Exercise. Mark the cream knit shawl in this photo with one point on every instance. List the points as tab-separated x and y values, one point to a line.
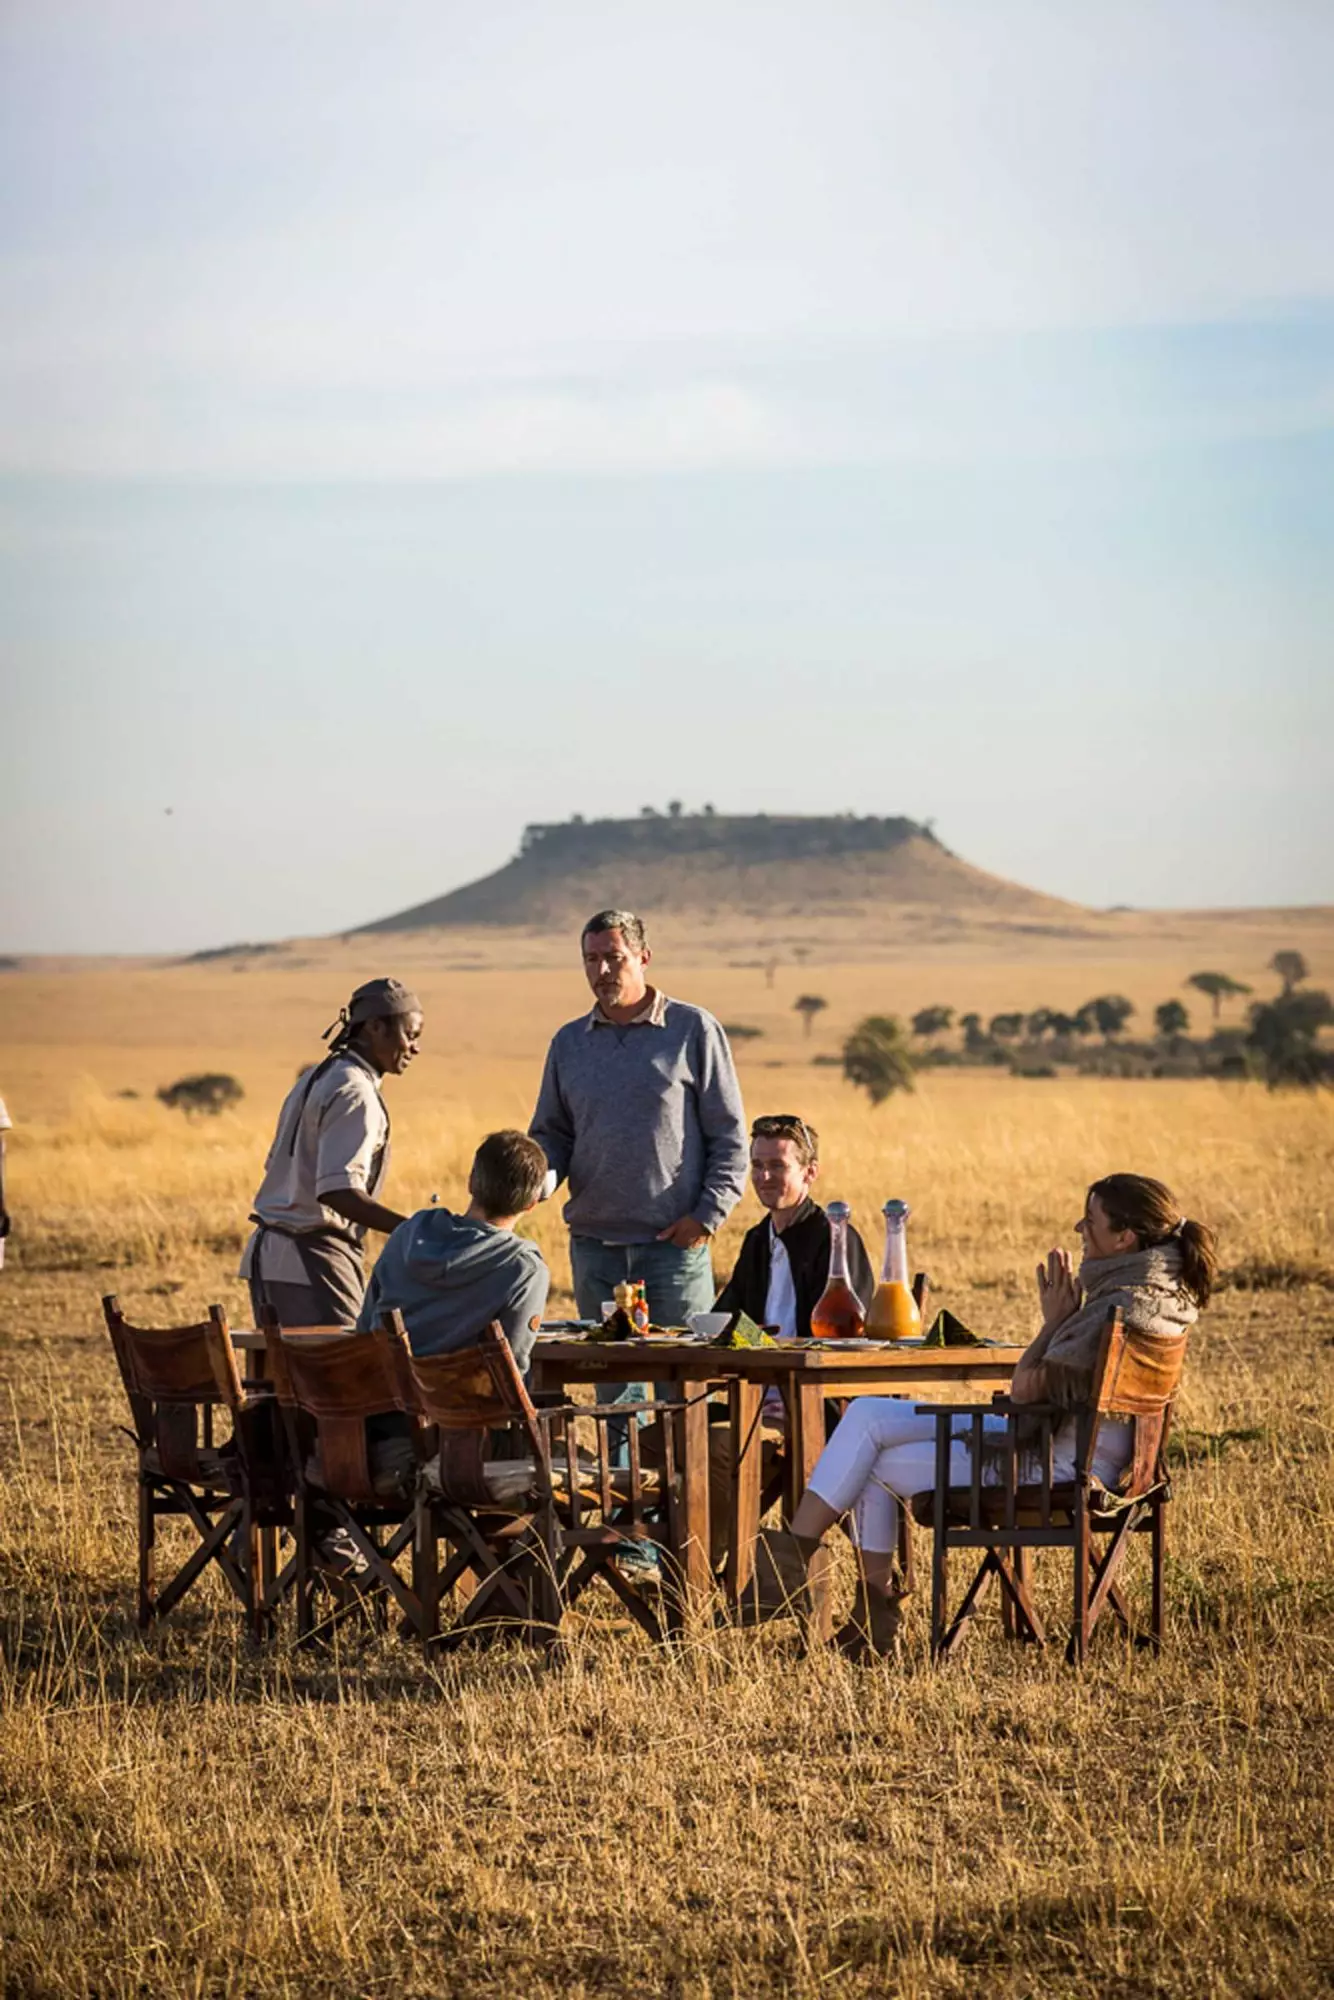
1145	1284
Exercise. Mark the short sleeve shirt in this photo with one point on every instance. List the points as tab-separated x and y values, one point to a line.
333	1132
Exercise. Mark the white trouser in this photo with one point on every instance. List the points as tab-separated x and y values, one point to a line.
883	1452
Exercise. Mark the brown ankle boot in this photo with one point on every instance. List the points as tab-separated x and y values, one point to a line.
781	1564
873	1630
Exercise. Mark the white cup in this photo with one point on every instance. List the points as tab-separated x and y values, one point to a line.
708	1325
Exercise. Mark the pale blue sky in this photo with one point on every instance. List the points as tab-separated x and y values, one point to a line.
417	419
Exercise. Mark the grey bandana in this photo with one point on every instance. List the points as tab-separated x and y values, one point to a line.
375	1001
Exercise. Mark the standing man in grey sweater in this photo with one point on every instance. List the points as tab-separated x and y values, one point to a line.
640	1110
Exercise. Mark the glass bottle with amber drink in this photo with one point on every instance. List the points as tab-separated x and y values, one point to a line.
894	1314
838	1314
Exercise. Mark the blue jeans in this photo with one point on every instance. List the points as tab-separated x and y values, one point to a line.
677	1282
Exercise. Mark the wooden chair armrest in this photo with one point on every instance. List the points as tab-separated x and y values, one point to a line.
951	1409
1004	1406
602	1413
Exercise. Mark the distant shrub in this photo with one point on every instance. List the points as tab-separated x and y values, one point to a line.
1116	1062
932	1020
877	1058
205	1095
739	1031
1033	1069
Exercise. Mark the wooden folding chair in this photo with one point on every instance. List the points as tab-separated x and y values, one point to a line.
329	1381
533	1528
232	1491
1137	1376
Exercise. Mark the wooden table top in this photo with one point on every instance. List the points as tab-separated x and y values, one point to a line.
802	1357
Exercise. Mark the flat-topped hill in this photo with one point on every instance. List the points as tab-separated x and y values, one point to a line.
713	866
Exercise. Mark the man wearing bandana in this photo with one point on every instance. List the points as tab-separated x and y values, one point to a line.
327	1164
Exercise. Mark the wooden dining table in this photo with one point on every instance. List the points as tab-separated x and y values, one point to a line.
807	1374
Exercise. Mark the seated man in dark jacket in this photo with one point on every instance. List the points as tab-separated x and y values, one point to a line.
778	1277
783	1262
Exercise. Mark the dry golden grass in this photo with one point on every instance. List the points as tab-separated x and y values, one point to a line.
178	1817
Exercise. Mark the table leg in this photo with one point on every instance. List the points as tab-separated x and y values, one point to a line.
805	1406
744	1402
268	1562
694	1434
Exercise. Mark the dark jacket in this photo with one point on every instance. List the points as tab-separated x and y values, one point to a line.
806	1240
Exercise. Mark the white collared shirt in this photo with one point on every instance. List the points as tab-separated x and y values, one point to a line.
780	1304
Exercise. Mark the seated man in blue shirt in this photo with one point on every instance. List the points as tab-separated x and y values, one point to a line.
451	1275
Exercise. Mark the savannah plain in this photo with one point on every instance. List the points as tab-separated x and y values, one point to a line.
180	1816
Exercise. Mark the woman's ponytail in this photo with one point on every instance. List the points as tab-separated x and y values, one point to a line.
1199	1260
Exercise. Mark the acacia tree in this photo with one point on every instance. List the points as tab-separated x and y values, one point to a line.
974	1034
932	1020
1108	1014
1006	1027
1291	968
808	1005
877	1057
1219	986
1038	1023
1172	1019
1284	1036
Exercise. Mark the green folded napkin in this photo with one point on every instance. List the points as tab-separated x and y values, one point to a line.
743	1332
947	1331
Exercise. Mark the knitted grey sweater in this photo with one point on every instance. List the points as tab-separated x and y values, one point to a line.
645	1122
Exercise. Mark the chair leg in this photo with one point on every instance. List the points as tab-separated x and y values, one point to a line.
147	1541
305	1573
1016	1580
1157	1553
379	1605
907	1567
967	1611
252	1569
426	1572
547	1606
939	1545
1077	1651
265	1595
1103	1573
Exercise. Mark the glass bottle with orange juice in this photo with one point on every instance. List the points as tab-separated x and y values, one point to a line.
838	1314
893	1313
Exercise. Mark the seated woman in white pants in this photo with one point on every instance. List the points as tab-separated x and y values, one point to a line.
1141	1254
